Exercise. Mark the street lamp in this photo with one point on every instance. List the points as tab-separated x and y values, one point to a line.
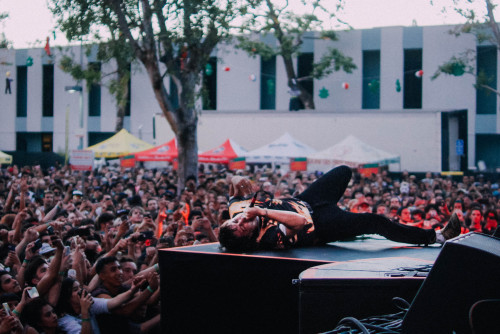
71	90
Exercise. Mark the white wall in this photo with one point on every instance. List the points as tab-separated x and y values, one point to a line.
391	68
7	102
246	93
448	92
341	99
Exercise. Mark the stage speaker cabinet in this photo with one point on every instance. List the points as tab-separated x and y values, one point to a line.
466	271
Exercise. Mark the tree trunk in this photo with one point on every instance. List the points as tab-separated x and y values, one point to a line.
120	115
120	105
187	139
304	96
184	121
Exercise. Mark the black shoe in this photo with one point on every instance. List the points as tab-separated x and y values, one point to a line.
452	229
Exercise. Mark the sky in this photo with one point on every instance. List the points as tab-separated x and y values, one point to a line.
30	21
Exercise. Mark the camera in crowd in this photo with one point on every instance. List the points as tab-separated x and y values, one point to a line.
143	236
37	246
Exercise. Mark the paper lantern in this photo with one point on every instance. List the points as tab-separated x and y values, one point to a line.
323	93
252	77
345	85
209	70
419	73
227	69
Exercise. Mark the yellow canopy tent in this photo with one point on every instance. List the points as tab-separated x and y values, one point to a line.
122	143
5	158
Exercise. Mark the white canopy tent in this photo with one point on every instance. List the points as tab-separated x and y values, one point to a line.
351	152
279	151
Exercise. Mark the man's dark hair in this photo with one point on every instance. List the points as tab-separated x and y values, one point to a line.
102	262
126	259
31	268
32	313
64	303
232	243
3	272
9	297
104	218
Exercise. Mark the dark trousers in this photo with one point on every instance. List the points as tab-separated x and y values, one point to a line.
332	223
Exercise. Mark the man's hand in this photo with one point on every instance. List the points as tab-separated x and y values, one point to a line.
240	186
252	212
153	280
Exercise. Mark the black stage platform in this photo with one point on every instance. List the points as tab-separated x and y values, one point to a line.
204	289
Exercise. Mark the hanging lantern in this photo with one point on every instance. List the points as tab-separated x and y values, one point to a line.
323	93
209	70
252	77
419	73
270	86
345	85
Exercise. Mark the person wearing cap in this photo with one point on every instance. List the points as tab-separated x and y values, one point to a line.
46	250
311	218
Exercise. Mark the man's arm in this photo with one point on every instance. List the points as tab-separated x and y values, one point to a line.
291	220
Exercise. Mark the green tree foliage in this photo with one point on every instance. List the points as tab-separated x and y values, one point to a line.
93	22
4	42
279	19
480	21
169	37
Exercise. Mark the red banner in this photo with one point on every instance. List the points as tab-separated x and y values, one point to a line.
298	164
237	163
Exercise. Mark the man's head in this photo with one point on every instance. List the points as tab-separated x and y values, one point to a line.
238	234
109	271
129	268
476	216
35	270
405	215
152	205
48	198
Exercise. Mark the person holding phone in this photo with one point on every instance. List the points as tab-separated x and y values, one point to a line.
77	308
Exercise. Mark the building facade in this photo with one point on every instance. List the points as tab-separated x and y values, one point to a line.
435	125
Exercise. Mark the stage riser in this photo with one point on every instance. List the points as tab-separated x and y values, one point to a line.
223	293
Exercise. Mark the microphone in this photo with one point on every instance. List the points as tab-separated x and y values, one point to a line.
254	198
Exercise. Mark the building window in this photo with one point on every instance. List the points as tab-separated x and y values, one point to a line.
22	91
95	93
486	100
129	87
412	86
48	91
47	142
268	83
371	79
304	69
209	100
97	137
21	142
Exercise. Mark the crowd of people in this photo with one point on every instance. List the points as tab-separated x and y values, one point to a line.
79	250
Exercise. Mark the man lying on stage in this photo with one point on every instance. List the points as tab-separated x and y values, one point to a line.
311	218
